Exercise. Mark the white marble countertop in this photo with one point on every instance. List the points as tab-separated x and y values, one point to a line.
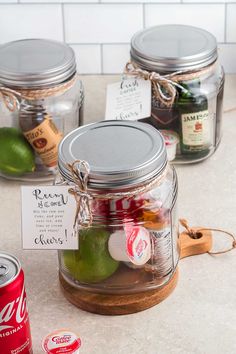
199	317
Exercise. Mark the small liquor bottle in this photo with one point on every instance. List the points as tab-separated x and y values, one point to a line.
41	132
196	128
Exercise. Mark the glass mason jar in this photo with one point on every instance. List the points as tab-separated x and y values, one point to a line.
130	243
41	100
187	87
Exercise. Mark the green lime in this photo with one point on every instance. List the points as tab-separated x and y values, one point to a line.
16	155
92	262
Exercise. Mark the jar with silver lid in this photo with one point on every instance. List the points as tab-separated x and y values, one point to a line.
41	100
187	87
126	208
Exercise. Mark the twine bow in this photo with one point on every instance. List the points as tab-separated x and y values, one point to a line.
164	86
10	98
195	234
83	214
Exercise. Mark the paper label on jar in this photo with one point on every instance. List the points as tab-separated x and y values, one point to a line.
129	99
47	218
196	128
45	139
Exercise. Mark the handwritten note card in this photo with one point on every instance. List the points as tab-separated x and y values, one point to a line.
47	218
129	99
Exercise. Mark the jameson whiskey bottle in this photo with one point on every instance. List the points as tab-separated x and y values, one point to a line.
41	132
195	122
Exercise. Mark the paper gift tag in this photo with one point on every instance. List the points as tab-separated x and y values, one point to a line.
129	99
47	218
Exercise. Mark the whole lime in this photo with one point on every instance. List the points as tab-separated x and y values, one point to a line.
92	262
16	155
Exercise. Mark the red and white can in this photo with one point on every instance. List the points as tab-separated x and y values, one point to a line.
15	337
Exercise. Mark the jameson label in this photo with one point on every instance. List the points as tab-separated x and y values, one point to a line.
196	128
45	139
47	218
129	99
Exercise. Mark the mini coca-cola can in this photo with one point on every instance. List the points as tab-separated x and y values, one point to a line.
15	337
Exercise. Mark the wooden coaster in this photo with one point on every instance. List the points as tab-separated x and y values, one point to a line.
108	304
117	304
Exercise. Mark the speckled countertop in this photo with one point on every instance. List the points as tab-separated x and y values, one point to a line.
200	315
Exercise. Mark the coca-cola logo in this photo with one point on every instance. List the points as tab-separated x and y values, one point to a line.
14	312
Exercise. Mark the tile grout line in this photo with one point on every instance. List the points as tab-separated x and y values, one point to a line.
98	43
114	3
123	43
225	28
101	58
144	16
63	23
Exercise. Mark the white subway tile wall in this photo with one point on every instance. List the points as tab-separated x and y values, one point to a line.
19	21
115	56
210	17
100	30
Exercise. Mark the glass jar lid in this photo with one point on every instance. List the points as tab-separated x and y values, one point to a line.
171	48
31	63
120	153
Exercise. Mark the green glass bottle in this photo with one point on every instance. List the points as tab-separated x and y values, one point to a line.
196	125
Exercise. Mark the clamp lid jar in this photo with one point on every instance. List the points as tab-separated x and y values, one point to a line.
187	85
41	100
128	236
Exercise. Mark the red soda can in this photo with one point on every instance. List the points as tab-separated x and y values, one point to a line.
15	337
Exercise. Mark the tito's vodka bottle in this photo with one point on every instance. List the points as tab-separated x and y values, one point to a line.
41	132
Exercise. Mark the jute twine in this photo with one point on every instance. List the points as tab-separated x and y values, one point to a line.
194	233
80	170
12	98
83	214
164	86
83	196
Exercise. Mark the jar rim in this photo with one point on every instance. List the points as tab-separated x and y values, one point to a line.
121	154
170	48
36	63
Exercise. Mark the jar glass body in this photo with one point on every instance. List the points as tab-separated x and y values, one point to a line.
66	111
132	244
195	116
